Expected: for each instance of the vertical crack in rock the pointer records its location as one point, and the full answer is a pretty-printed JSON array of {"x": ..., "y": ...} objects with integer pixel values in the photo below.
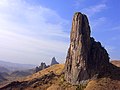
[{"x": 85, "y": 56}]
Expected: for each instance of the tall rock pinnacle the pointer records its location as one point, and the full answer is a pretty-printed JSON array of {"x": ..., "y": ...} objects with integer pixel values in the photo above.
[
  {"x": 53, "y": 62},
  {"x": 85, "y": 57}
]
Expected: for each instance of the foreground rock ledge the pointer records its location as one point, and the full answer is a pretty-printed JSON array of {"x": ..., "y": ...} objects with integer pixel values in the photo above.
[{"x": 86, "y": 58}]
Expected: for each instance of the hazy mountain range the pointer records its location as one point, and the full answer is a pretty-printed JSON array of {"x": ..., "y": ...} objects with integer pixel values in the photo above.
[{"x": 8, "y": 66}]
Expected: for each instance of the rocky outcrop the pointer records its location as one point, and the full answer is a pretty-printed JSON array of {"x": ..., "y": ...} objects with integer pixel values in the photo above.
[
  {"x": 53, "y": 62},
  {"x": 86, "y": 58},
  {"x": 41, "y": 67}
]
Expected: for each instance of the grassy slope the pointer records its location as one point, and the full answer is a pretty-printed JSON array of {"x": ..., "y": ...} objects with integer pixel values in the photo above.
[
  {"x": 116, "y": 62},
  {"x": 103, "y": 84},
  {"x": 40, "y": 80},
  {"x": 112, "y": 82},
  {"x": 57, "y": 82},
  {"x": 57, "y": 69}
]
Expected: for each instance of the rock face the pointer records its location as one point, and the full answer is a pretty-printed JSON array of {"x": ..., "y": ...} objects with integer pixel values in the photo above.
[
  {"x": 41, "y": 67},
  {"x": 54, "y": 61},
  {"x": 86, "y": 58}
]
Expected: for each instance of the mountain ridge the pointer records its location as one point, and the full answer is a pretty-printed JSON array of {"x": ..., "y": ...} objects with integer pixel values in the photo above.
[{"x": 15, "y": 66}]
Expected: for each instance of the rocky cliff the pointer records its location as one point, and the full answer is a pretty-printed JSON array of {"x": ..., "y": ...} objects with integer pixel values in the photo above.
[{"x": 86, "y": 58}]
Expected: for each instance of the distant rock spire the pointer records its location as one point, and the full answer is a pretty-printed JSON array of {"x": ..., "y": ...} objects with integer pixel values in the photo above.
[
  {"x": 85, "y": 57},
  {"x": 53, "y": 61},
  {"x": 41, "y": 67}
]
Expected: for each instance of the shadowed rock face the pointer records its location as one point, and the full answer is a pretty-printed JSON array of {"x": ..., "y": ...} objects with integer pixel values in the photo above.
[
  {"x": 53, "y": 62},
  {"x": 41, "y": 67},
  {"x": 86, "y": 57}
]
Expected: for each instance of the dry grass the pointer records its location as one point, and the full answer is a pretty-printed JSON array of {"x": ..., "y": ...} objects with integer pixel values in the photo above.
[
  {"x": 57, "y": 69},
  {"x": 109, "y": 82},
  {"x": 41, "y": 80},
  {"x": 103, "y": 84},
  {"x": 58, "y": 82},
  {"x": 116, "y": 63}
]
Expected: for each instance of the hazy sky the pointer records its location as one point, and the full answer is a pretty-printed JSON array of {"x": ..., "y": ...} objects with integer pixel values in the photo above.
[{"x": 33, "y": 31}]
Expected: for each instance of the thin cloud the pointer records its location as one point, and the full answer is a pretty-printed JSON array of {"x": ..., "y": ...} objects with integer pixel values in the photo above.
[
  {"x": 78, "y": 3},
  {"x": 116, "y": 28},
  {"x": 96, "y": 24},
  {"x": 31, "y": 34},
  {"x": 94, "y": 9}
]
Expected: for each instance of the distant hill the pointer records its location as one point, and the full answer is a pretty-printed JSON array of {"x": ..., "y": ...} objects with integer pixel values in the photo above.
[
  {"x": 20, "y": 73},
  {"x": 3, "y": 69},
  {"x": 2, "y": 78},
  {"x": 13, "y": 71},
  {"x": 40, "y": 80},
  {"x": 116, "y": 62},
  {"x": 8, "y": 66},
  {"x": 4, "y": 74}
]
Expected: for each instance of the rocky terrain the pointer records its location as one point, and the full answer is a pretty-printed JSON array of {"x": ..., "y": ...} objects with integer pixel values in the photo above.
[
  {"x": 87, "y": 66},
  {"x": 52, "y": 79},
  {"x": 41, "y": 67},
  {"x": 40, "y": 80},
  {"x": 44, "y": 66},
  {"x": 13, "y": 71},
  {"x": 7, "y": 76}
]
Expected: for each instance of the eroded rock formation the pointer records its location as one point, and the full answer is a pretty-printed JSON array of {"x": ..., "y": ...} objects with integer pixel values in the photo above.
[
  {"x": 41, "y": 67},
  {"x": 53, "y": 62},
  {"x": 86, "y": 58}
]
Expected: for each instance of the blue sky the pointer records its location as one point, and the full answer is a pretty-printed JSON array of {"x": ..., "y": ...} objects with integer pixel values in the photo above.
[{"x": 34, "y": 31}]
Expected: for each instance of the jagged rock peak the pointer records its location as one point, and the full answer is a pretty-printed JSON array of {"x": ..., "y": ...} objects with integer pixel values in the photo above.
[
  {"x": 85, "y": 56},
  {"x": 41, "y": 67},
  {"x": 54, "y": 61}
]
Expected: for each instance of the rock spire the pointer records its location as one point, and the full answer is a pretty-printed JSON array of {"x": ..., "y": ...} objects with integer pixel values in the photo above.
[
  {"x": 53, "y": 62},
  {"x": 86, "y": 57}
]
